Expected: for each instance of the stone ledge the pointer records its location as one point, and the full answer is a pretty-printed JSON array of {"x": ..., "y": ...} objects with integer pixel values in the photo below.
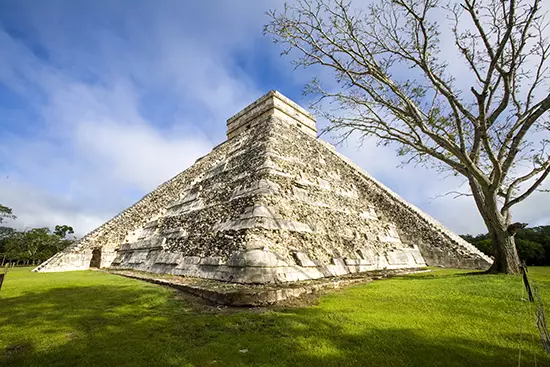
[
  {"x": 271, "y": 104},
  {"x": 240, "y": 295}
]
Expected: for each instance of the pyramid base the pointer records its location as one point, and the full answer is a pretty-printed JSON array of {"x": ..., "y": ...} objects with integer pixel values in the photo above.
[
  {"x": 261, "y": 275},
  {"x": 264, "y": 267},
  {"x": 247, "y": 295}
]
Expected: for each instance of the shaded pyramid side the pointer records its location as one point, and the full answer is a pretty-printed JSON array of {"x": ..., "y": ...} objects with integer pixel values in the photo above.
[{"x": 350, "y": 213}]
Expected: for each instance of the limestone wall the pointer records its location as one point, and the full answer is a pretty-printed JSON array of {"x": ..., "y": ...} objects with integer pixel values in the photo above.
[{"x": 272, "y": 204}]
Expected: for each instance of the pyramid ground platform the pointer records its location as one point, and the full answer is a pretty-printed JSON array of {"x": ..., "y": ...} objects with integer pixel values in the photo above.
[
  {"x": 271, "y": 204},
  {"x": 253, "y": 295}
]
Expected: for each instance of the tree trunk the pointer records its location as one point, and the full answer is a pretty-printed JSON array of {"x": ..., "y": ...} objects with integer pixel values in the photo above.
[{"x": 506, "y": 257}]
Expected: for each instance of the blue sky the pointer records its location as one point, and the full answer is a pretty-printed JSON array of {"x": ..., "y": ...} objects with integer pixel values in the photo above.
[{"x": 101, "y": 101}]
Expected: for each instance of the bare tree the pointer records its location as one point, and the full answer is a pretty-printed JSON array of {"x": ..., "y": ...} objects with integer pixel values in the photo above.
[{"x": 395, "y": 83}]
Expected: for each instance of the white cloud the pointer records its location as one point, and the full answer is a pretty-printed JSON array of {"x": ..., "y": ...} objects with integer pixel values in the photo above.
[
  {"x": 138, "y": 154},
  {"x": 38, "y": 208}
]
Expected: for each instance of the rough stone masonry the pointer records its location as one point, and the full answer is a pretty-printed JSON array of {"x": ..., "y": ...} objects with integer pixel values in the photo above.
[{"x": 271, "y": 204}]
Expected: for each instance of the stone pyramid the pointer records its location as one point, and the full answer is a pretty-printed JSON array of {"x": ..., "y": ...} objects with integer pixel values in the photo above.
[{"x": 273, "y": 203}]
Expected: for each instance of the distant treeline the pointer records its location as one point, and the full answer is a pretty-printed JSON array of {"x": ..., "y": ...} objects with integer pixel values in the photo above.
[
  {"x": 32, "y": 246},
  {"x": 533, "y": 244}
]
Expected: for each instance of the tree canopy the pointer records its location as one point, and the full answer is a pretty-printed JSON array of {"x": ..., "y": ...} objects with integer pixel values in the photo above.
[
  {"x": 533, "y": 244},
  {"x": 31, "y": 246}
]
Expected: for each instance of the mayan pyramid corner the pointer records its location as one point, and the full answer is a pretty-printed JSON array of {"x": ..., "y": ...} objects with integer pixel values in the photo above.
[{"x": 271, "y": 204}]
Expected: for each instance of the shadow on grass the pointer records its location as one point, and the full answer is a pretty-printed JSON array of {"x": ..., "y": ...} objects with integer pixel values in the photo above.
[{"x": 148, "y": 326}]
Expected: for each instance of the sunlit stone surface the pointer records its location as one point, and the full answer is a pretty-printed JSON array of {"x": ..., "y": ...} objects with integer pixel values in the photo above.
[{"x": 273, "y": 203}]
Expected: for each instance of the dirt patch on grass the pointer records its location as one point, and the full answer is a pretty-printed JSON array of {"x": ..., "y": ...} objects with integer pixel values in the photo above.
[{"x": 14, "y": 350}]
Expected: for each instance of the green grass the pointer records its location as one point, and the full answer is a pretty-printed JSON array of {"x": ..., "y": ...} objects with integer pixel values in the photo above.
[{"x": 443, "y": 318}]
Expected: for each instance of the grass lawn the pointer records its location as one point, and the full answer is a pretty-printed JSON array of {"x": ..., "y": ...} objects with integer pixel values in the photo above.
[{"x": 442, "y": 318}]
